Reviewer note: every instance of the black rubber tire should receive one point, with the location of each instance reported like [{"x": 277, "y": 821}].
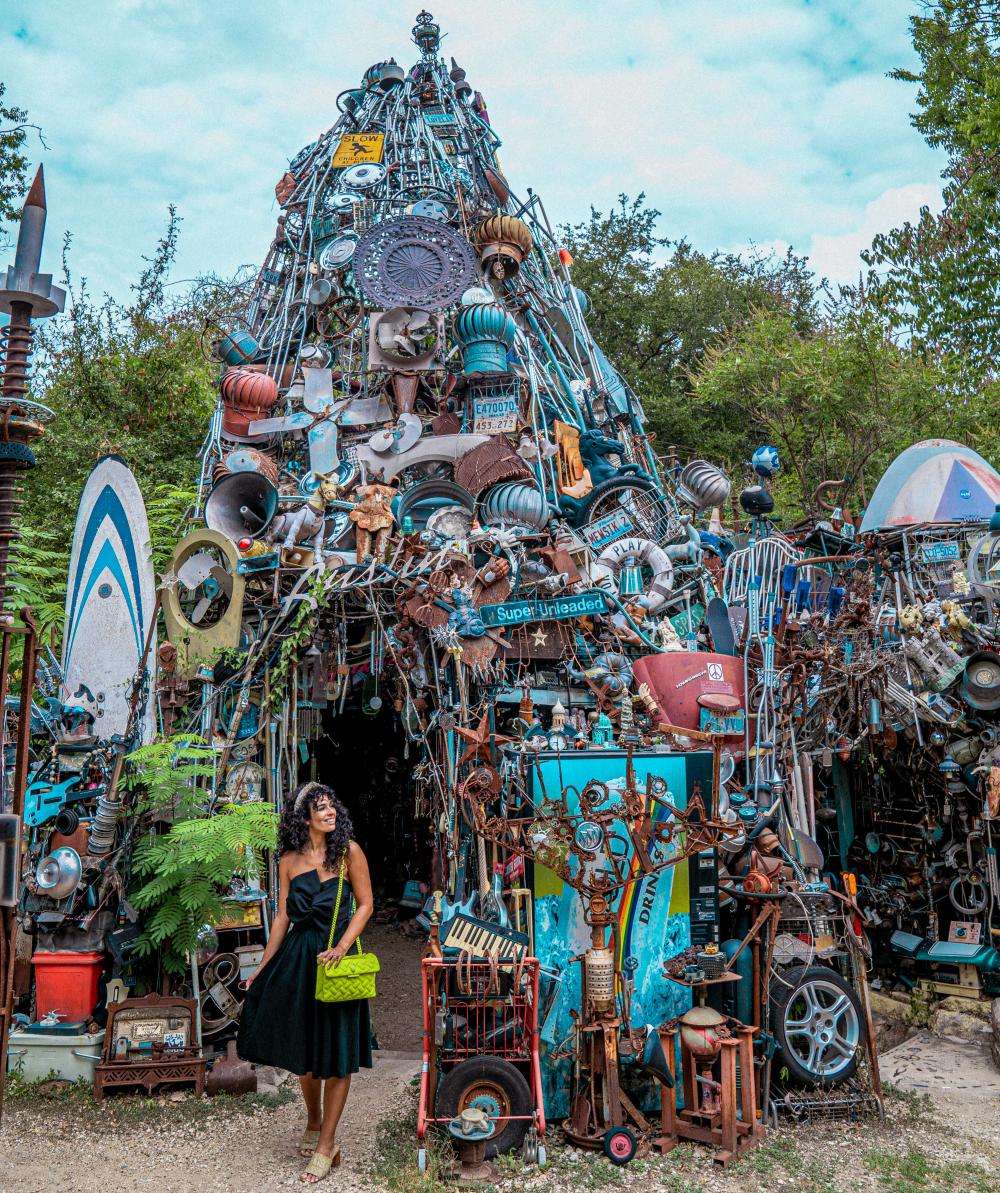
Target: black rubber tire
[
  {"x": 620, "y": 1145},
  {"x": 489, "y": 1070},
  {"x": 784, "y": 997}
]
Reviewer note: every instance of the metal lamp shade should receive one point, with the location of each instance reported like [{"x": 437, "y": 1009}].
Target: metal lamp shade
[{"x": 58, "y": 875}]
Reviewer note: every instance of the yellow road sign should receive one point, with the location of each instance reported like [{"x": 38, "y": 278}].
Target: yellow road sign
[{"x": 355, "y": 148}]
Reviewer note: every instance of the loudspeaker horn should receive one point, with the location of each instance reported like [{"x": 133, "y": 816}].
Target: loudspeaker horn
[{"x": 241, "y": 504}]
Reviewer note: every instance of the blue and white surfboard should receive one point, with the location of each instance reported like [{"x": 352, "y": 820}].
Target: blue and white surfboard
[{"x": 110, "y": 598}]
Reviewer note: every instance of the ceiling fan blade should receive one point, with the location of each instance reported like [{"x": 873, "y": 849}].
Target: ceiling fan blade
[
  {"x": 201, "y": 609},
  {"x": 223, "y": 579}
]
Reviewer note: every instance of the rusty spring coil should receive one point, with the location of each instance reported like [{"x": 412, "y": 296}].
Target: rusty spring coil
[{"x": 16, "y": 348}]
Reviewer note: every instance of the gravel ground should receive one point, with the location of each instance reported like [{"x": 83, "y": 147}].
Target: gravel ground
[
  {"x": 66, "y": 1144},
  {"x": 942, "y": 1133},
  {"x": 134, "y": 1144}
]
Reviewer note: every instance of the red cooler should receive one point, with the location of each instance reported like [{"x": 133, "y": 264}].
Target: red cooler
[{"x": 67, "y": 983}]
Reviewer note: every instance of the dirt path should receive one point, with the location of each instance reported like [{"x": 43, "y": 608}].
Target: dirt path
[
  {"x": 942, "y": 1135},
  {"x": 136, "y": 1145}
]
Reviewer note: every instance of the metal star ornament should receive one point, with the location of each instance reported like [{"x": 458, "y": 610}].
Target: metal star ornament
[{"x": 482, "y": 742}]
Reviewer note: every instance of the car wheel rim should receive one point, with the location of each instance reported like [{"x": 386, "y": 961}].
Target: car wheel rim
[{"x": 822, "y": 1028}]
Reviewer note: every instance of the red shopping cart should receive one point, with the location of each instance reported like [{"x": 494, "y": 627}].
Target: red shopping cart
[{"x": 481, "y": 1050}]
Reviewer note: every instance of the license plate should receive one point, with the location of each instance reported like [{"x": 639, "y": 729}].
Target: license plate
[{"x": 730, "y": 723}]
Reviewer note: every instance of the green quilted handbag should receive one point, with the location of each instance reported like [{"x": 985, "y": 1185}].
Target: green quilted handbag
[{"x": 354, "y": 977}]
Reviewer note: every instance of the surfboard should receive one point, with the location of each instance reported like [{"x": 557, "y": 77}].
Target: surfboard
[{"x": 110, "y": 598}]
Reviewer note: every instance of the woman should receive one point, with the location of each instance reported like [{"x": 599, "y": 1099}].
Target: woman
[{"x": 282, "y": 1023}]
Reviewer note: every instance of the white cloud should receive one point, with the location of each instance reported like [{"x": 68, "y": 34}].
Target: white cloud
[
  {"x": 839, "y": 257},
  {"x": 743, "y": 123}
]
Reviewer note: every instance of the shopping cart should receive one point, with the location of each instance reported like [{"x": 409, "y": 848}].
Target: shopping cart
[{"x": 481, "y": 1050}]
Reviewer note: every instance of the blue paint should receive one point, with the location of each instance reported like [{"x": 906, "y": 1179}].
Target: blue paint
[{"x": 108, "y": 505}]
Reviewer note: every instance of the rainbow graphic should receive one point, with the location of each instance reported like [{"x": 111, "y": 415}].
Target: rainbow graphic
[{"x": 652, "y": 915}]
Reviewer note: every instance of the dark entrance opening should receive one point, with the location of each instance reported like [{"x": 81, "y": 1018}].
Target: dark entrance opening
[{"x": 362, "y": 755}]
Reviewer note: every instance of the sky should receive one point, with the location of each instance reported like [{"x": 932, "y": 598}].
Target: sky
[{"x": 745, "y": 122}]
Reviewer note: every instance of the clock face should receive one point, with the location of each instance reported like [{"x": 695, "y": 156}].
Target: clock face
[{"x": 558, "y": 741}]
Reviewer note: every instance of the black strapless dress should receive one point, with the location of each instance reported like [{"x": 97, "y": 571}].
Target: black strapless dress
[{"x": 282, "y": 1024}]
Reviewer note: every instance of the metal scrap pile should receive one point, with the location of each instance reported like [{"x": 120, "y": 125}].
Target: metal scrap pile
[{"x": 656, "y": 742}]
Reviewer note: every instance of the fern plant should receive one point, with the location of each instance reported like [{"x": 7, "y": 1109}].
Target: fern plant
[
  {"x": 167, "y": 508},
  {"x": 41, "y": 563},
  {"x": 164, "y": 775},
  {"x": 188, "y": 871}
]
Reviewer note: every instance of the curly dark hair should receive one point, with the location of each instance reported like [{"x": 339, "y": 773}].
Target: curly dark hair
[{"x": 293, "y": 832}]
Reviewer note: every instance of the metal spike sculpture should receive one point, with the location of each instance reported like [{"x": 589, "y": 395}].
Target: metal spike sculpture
[{"x": 27, "y": 294}]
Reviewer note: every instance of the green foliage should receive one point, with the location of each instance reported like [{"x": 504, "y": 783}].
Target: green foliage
[
  {"x": 393, "y": 1164},
  {"x": 300, "y": 632},
  {"x": 164, "y": 776},
  {"x": 188, "y": 869},
  {"x": 727, "y": 353},
  {"x": 940, "y": 275},
  {"x": 657, "y": 307},
  {"x": 167, "y": 508},
  {"x": 53, "y": 1101},
  {"x": 39, "y": 577},
  {"x": 840, "y": 401},
  {"x": 129, "y": 378},
  {"x": 913, "y": 1171},
  {"x": 13, "y": 162}
]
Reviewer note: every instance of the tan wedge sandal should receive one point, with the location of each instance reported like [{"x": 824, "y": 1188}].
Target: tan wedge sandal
[{"x": 319, "y": 1166}]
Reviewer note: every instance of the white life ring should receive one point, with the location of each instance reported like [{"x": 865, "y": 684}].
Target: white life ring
[{"x": 604, "y": 569}]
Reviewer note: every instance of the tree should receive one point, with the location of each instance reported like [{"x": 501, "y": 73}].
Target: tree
[
  {"x": 129, "y": 378},
  {"x": 839, "y": 401},
  {"x": 939, "y": 277},
  {"x": 658, "y": 305},
  {"x": 13, "y": 163}
]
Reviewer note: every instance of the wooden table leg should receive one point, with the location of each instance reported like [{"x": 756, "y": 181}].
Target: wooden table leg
[{"x": 668, "y": 1095}]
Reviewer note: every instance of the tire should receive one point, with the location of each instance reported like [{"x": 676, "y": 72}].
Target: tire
[
  {"x": 620, "y": 1145},
  {"x": 816, "y": 1020},
  {"x": 495, "y": 1086}
]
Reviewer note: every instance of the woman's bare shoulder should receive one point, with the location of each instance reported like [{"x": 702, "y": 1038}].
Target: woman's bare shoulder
[
  {"x": 290, "y": 864},
  {"x": 354, "y": 851}
]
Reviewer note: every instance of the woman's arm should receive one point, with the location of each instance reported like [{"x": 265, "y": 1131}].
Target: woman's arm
[
  {"x": 279, "y": 925},
  {"x": 361, "y": 885}
]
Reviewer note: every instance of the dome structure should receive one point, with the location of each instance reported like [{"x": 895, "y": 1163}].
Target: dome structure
[{"x": 934, "y": 481}]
